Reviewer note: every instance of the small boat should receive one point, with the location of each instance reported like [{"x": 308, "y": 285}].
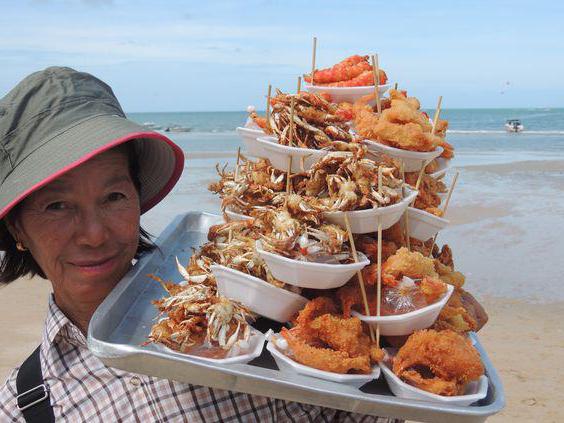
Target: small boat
[
  {"x": 151, "y": 125},
  {"x": 514, "y": 125},
  {"x": 177, "y": 128}
]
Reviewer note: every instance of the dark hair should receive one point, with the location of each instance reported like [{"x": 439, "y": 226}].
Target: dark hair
[{"x": 15, "y": 264}]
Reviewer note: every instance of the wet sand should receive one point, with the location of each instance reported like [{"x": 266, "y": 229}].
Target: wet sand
[{"x": 506, "y": 234}]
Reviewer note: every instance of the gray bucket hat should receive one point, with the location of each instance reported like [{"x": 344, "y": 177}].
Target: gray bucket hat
[{"x": 58, "y": 118}]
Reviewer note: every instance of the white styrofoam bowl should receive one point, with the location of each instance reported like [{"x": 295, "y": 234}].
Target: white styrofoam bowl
[
  {"x": 249, "y": 137},
  {"x": 276, "y": 345},
  {"x": 279, "y": 155},
  {"x": 348, "y": 94},
  {"x": 407, "y": 323},
  {"x": 423, "y": 225},
  {"x": 443, "y": 165},
  {"x": 366, "y": 221},
  {"x": 412, "y": 160},
  {"x": 251, "y": 351},
  {"x": 259, "y": 296},
  {"x": 475, "y": 391},
  {"x": 307, "y": 274}
]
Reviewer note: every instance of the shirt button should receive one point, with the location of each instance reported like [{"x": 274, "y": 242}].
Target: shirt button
[{"x": 135, "y": 381}]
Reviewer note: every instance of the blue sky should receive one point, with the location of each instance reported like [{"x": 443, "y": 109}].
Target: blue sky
[{"x": 221, "y": 55}]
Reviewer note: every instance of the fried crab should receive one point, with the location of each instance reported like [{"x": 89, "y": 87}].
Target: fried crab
[
  {"x": 326, "y": 341},
  {"x": 439, "y": 362}
]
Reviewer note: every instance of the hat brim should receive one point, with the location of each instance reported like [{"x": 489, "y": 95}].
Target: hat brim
[{"x": 161, "y": 162}]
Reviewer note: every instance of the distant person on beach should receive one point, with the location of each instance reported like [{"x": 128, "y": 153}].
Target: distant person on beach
[{"x": 75, "y": 176}]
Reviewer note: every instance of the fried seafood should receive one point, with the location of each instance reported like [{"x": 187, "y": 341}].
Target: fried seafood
[
  {"x": 258, "y": 185},
  {"x": 286, "y": 235},
  {"x": 325, "y": 359},
  {"x": 339, "y": 181},
  {"x": 428, "y": 198},
  {"x": 401, "y": 124},
  {"x": 404, "y": 297},
  {"x": 316, "y": 123},
  {"x": 322, "y": 339},
  {"x": 462, "y": 313},
  {"x": 194, "y": 319},
  {"x": 406, "y": 263},
  {"x": 353, "y": 71},
  {"x": 439, "y": 362}
]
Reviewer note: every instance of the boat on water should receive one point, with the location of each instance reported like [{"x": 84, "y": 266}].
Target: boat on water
[
  {"x": 514, "y": 125},
  {"x": 152, "y": 125},
  {"x": 177, "y": 128}
]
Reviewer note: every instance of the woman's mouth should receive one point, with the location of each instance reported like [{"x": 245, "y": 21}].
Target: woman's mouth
[{"x": 95, "y": 267}]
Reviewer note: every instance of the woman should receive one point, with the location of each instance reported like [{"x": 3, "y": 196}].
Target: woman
[{"x": 75, "y": 176}]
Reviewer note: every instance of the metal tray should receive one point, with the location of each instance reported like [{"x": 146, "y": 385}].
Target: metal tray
[{"x": 121, "y": 324}]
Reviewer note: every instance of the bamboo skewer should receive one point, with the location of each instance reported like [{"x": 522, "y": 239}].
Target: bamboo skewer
[
  {"x": 405, "y": 215},
  {"x": 268, "y": 107},
  {"x": 396, "y": 86},
  {"x": 450, "y": 190},
  {"x": 418, "y": 183},
  {"x": 313, "y": 59},
  {"x": 379, "y": 264},
  {"x": 376, "y": 71},
  {"x": 292, "y": 106},
  {"x": 288, "y": 175},
  {"x": 236, "y": 175},
  {"x": 359, "y": 276},
  {"x": 299, "y": 84},
  {"x": 437, "y": 113}
]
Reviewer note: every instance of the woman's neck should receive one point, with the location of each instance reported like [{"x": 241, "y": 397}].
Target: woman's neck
[{"x": 78, "y": 312}]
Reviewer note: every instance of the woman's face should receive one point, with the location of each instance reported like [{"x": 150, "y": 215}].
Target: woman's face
[{"x": 83, "y": 228}]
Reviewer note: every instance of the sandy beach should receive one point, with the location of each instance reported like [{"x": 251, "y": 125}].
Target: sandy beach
[{"x": 506, "y": 234}]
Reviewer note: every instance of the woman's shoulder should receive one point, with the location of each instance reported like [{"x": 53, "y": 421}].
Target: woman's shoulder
[{"x": 8, "y": 406}]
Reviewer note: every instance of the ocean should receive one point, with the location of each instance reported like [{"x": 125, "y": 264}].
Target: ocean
[{"x": 508, "y": 205}]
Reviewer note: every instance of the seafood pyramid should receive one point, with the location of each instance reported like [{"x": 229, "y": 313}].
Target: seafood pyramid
[{"x": 337, "y": 238}]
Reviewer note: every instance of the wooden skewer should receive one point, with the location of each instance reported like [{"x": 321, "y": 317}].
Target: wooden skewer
[
  {"x": 313, "y": 59},
  {"x": 292, "y": 106},
  {"x": 268, "y": 107},
  {"x": 288, "y": 175},
  {"x": 379, "y": 263},
  {"x": 437, "y": 113},
  {"x": 450, "y": 192},
  {"x": 379, "y": 280},
  {"x": 236, "y": 176},
  {"x": 419, "y": 179},
  {"x": 299, "y": 84},
  {"x": 396, "y": 86},
  {"x": 405, "y": 215},
  {"x": 376, "y": 71},
  {"x": 445, "y": 208},
  {"x": 359, "y": 275}
]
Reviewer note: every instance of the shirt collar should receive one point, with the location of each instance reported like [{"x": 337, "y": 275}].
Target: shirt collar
[{"x": 58, "y": 326}]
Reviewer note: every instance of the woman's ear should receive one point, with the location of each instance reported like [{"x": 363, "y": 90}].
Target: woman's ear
[{"x": 13, "y": 227}]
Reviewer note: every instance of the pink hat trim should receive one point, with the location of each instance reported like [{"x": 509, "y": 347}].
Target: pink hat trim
[{"x": 179, "y": 167}]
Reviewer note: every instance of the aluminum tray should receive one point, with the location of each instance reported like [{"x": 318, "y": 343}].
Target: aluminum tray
[{"x": 122, "y": 322}]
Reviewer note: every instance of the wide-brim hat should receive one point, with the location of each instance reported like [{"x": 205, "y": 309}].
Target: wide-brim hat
[{"x": 58, "y": 118}]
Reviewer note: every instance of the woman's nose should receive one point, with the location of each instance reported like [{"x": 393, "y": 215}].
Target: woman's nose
[{"x": 91, "y": 230}]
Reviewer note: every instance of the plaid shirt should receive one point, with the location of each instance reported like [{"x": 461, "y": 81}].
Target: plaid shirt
[{"x": 83, "y": 389}]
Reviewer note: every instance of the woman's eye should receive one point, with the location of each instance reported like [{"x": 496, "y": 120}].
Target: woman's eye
[
  {"x": 57, "y": 205},
  {"x": 115, "y": 196}
]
